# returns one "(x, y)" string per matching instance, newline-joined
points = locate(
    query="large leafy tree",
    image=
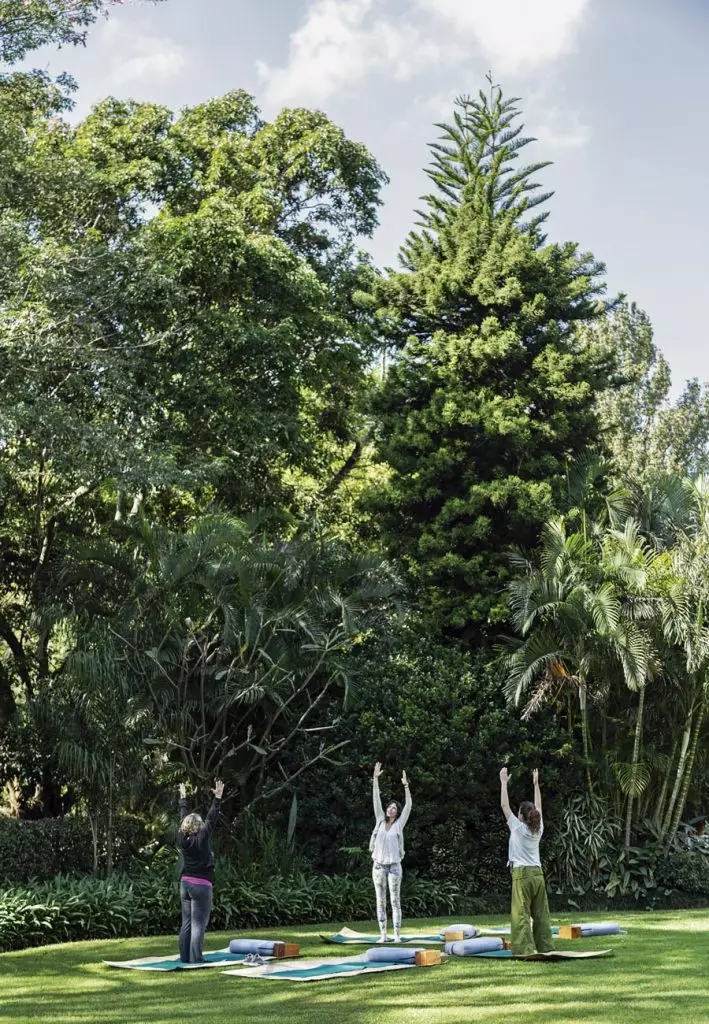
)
(491, 393)
(646, 432)
(28, 24)
(175, 325)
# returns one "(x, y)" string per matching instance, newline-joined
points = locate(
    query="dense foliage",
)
(257, 501)
(39, 850)
(71, 910)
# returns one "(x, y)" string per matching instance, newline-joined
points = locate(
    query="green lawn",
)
(658, 973)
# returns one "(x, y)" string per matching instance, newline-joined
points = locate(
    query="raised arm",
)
(408, 804)
(183, 801)
(376, 796)
(213, 814)
(504, 798)
(537, 790)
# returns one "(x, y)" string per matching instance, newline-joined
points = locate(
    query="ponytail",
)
(530, 816)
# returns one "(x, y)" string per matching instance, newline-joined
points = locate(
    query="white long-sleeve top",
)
(387, 844)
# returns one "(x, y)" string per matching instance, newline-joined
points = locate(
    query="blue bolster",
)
(471, 947)
(389, 955)
(600, 928)
(263, 948)
(467, 929)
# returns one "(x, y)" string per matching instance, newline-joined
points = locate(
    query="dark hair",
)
(399, 808)
(530, 816)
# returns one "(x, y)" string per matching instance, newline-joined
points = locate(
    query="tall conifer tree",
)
(490, 395)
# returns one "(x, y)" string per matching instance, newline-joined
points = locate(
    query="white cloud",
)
(562, 131)
(340, 43)
(514, 35)
(140, 58)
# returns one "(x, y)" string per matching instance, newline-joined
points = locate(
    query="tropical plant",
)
(231, 646)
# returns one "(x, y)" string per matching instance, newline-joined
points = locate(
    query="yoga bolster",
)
(467, 929)
(251, 946)
(600, 928)
(471, 947)
(392, 955)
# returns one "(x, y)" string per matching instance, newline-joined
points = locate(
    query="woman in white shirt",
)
(529, 891)
(387, 849)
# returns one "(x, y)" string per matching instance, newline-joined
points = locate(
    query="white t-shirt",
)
(386, 845)
(524, 844)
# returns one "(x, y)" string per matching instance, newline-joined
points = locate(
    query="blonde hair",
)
(191, 824)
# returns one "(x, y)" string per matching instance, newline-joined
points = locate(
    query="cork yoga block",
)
(453, 935)
(570, 931)
(428, 957)
(285, 949)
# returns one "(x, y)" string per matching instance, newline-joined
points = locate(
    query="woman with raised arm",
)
(529, 891)
(387, 849)
(197, 876)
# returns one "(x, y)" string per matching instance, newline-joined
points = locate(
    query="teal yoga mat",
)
(321, 970)
(220, 958)
(349, 937)
(556, 954)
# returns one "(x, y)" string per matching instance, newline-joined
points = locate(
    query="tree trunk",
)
(93, 823)
(636, 758)
(109, 825)
(586, 737)
(678, 777)
(659, 814)
(682, 800)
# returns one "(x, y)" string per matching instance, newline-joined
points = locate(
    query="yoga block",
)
(570, 931)
(428, 957)
(284, 949)
(453, 935)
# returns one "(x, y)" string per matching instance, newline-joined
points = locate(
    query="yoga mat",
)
(320, 970)
(220, 958)
(556, 954)
(348, 937)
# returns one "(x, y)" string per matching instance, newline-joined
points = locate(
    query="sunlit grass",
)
(658, 973)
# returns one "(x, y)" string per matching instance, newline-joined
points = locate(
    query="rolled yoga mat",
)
(467, 929)
(260, 946)
(600, 928)
(389, 955)
(474, 947)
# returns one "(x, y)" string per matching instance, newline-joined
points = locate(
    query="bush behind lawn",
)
(71, 909)
(40, 850)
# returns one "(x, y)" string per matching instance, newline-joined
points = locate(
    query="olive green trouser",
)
(529, 899)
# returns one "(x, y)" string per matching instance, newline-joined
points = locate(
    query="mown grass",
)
(658, 973)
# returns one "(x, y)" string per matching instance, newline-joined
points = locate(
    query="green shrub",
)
(440, 713)
(69, 909)
(42, 849)
(688, 872)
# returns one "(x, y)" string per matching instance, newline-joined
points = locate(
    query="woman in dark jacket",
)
(197, 874)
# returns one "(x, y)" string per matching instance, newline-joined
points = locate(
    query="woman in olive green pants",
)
(529, 891)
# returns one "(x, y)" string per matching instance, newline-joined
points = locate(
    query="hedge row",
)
(71, 909)
(40, 850)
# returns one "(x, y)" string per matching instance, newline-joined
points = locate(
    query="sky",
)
(615, 91)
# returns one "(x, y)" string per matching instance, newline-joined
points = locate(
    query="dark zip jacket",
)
(197, 852)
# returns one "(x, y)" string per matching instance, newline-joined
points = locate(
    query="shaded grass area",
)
(658, 972)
